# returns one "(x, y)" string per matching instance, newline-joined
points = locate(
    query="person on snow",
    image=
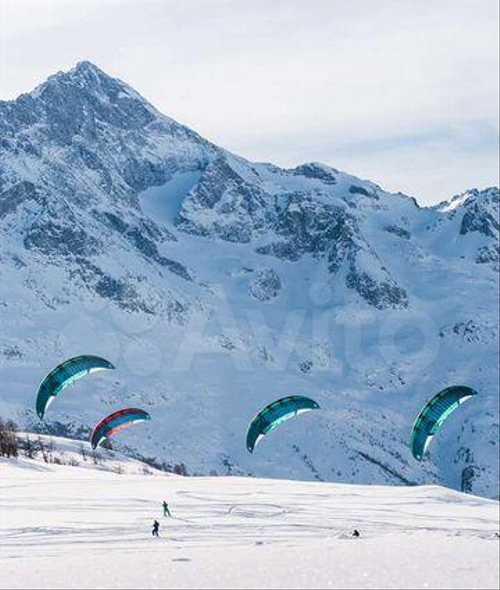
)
(355, 533)
(166, 511)
(156, 529)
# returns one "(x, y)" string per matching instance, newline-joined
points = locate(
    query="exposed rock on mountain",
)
(216, 285)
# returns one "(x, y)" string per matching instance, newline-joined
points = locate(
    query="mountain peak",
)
(84, 78)
(86, 71)
(87, 66)
(70, 103)
(469, 197)
(87, 75)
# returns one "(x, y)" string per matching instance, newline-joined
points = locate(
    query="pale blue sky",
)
(403, 92)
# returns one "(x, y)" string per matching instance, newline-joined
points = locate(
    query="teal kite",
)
(275, 414)
(65, 375)
(434, 414)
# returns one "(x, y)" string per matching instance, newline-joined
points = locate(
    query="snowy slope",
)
(68, 527)
(216, 285)
(41, 452)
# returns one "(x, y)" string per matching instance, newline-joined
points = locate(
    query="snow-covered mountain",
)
(216, 285)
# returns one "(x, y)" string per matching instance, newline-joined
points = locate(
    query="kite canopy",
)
(275, 414)
(115, 423)
(66, 374)
(434, 415)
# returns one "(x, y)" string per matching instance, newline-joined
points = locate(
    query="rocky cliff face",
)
(216, 285)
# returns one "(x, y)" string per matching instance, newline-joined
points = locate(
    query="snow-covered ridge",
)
(44, 453)
(216, 285)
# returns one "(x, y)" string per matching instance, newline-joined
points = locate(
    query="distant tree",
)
(11, 425)
(9, 444)
(41, 447)
(83, 452)
(180, 469)
(29, 447)
(106, 444)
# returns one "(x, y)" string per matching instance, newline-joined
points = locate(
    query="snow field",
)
(68, 527)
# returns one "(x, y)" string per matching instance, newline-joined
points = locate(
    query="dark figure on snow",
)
(166, 511)
(156, 529)
(355, 533)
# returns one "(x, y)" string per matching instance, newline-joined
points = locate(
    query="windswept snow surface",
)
(68, 527)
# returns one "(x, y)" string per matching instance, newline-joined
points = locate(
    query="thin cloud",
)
(398, 91)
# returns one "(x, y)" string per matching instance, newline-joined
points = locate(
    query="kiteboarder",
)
(156, 529)
(166, 511)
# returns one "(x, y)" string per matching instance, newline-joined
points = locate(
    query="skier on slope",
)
(166, 511)
(156, 529)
